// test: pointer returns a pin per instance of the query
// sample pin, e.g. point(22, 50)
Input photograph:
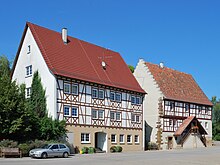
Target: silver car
point(50, 150)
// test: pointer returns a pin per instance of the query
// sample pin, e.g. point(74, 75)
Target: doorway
point(101, 141)
point(170, 142)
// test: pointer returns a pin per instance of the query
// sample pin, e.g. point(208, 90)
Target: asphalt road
point(203, 156)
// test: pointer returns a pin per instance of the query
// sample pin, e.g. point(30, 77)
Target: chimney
point(64, 35)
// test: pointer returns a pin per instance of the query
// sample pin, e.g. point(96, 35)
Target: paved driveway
point(203, 156)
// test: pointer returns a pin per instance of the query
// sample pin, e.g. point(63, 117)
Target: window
point(129, 139)
point(94, 93)
point(29, 70)
point(94, 114)
point(85, 138)
point(66, 111)
point(118, 97)
point(29, 49)
point(121, 138)
point(112, 96)
point(136, 139)
point(137, 119)
point(132, 117)
point(112, 115)
point(187, 107)
point(101, 94)
point(75, 89)
point(74, 111)
point(101, 114)
point(54, 147)
point(28, 90)
point(138, 100)
point(170, 122)
point(133, 100)
point(118, 116)
point(113, 138)
point(62, 146)
point(66, 88)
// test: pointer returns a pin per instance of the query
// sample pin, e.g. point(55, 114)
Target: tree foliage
point(23, 119)
point(216, 118)
point(131, 68)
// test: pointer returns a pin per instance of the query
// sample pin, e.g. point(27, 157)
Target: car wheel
point(65, 155)
point(44, 155)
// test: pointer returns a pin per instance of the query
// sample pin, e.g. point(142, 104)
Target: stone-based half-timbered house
point(89, 86)
point(177, 114)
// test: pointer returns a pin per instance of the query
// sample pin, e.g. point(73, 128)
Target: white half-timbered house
point(177, 114)
point(88, 86)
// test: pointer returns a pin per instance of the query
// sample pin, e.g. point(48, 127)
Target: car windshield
point(46, 146)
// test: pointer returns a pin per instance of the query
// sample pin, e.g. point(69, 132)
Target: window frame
point(66, 106)
point(118, 113)
point(133, 101)
point(115, 138)
point(96, 113)
point(76, 111)
point(29, 70)
point(97, 93)
point(138, 139)
point(129, 142)
point(112, 93)
point(28, 92)
point(118, 94)
point(64, 84)
point(138, 98)
point(103, 117)
point(123, 138)
point(103, 97)
point(112, 112)
point(77, 89)
point(84, 138)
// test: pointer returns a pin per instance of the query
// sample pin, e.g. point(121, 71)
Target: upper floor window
point(101, 94)
point(94, 93)
point(101, 114)
point(118, 116)
point(29, 49)
point(94, 114)
point(121, 138)
point(113, 138)
point(28, 92)
point(112, 96)
point(112, 115)
point(129, 139)
point(66, 111)
point(136, 139)
point(138, 100)
point(97, 114)
point(118, 97)
point(133, 100)
point(67, 88)
point(29, 70)
point(74, 111)
point(75, 89)
point(132, 117)
point(187, 107)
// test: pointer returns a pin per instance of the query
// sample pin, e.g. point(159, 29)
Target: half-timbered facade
point(88, 86)
point(173, 97)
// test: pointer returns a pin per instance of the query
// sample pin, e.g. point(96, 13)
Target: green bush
point(85, 150)
point(8, 143)
point(25, 148)
point(152, 146)
point(91, 150)
point(113, 149)
point(118, 149)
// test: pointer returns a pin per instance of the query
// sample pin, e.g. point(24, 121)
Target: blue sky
point(184, 34)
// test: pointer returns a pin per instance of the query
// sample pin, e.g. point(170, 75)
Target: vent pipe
point(161, 65)
point(64, 35)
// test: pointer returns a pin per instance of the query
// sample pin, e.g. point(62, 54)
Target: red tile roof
point(186, 122)
point(82, 60)
point(177, 85)
point(183, 126)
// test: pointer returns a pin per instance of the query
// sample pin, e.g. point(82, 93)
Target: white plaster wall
point(150, 104)
point(193, 141)
point(208, 129)
point(36, 59)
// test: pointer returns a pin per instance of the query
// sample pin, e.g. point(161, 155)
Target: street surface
point(203, 156)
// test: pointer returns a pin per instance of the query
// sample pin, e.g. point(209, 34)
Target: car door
point(62, 149)
point(54, 150)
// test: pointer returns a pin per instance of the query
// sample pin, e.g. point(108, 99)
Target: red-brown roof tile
point(185, 124)
point(177, 85)
point(82, 60)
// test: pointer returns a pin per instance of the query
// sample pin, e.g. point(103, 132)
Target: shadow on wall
point(148, 131)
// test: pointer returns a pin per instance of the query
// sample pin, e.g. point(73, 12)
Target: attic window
point(29, 49)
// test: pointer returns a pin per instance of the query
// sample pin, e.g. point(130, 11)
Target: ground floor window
point(121, 138)
point(129, 139)
point(85, 138)
point(136, 139)
point(113, 138)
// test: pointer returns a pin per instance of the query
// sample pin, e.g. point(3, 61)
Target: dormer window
point(29, 70)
